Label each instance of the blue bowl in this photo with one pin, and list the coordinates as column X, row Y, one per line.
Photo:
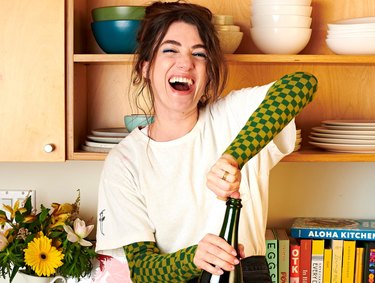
column 137, row 120
column 116, row 36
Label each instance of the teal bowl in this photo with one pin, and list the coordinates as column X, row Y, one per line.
column 137, row 120
column 117, row 36
column 108, row 13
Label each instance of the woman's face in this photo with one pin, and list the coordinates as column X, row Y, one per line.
column 178, row 74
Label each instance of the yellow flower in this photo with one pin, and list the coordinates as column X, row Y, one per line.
column 3, row 219
column 42, row 257
column 14, row 209
column 60, row 213
column 30, row 218
column 65, row 208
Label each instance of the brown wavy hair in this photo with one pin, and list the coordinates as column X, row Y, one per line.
column 158, row 18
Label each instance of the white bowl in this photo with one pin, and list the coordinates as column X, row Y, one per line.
column 353, row 23
column 280, row 40
column 283, row 2
column 359, row 46
column 349, row 32
column 265, row 9
column 353, row 35
column 280, row 21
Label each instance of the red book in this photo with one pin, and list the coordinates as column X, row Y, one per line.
column 305, row 260
column 294, row 254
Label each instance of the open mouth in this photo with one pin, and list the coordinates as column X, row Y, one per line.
column 180, row 83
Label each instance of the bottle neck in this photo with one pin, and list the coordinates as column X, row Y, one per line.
column 229, row 229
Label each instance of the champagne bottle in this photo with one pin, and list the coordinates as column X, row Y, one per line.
column 229, row 232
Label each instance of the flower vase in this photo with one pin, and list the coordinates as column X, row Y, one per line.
column 37, row 279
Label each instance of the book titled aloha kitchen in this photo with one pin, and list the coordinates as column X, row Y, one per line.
column 333, row 228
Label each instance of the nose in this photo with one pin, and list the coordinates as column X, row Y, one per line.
column 185, row 62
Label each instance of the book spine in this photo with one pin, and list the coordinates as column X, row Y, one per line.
column 369, row 270
column 359, row 265
column 294, row 264
column 327, row 265
column 305, row 260
column 271, row 256
column 348, row 262
column 317, row 253
column 337, row 247
column 283, row 255
column 322, row 233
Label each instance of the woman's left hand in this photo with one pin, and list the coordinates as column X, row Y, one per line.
column 224, row 178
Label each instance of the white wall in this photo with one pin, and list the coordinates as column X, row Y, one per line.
column 296, row 189
column 56, row 182
column 321, row 189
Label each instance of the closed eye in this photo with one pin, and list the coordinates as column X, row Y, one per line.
column 200, row 54
column 168, row 50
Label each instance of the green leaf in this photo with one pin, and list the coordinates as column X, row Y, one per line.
column 28, row 205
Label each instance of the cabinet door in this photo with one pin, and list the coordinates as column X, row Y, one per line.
column 32, row 80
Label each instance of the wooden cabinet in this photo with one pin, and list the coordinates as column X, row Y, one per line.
column 32, row 80
column 98, row 83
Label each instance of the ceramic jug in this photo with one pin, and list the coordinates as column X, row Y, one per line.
column 36, row 279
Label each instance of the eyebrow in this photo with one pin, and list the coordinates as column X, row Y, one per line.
column 174, row 42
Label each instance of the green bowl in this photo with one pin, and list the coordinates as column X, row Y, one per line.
column 137, row 120
column 118, row 13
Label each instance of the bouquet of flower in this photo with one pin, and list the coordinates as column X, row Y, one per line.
column 45, row 243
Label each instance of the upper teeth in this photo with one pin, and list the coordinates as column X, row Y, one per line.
column 181, row 80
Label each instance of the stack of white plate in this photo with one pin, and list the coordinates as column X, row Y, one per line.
column 298, row 140
column 103, row 140
column 281, row 26
column 355, row 136
column 352, row 36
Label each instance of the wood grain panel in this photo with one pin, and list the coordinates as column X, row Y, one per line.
column 32, row 80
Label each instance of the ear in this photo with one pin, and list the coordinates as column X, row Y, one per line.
column 145, row 69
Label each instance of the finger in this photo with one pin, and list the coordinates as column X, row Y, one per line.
column 220, row 192
column 230, row 159
column 212, row 269
column 236, row 195
column 214, row 253
column 226, row 167
column 241, row 250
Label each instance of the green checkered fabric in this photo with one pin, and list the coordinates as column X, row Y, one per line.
column 284, row 100
column 146, row 264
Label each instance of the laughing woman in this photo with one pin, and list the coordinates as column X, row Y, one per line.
column 160, row 197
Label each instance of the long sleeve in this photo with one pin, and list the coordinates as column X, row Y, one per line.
column 284, row 100
column 147, row 265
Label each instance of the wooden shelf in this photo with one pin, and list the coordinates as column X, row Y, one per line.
column 97, row 81
column 308, row 155
column 316, row 155
column 84, row 155
column 245, row 58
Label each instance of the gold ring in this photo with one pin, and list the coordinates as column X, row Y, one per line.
column 225, row 175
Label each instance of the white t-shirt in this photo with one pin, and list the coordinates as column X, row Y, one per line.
column 156, row 191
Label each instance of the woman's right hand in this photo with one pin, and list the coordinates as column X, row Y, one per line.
column 224, row 177
column 214, row 255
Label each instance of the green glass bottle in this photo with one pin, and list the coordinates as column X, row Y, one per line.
column 229, row 232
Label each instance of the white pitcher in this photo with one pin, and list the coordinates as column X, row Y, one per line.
column 36, row 279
